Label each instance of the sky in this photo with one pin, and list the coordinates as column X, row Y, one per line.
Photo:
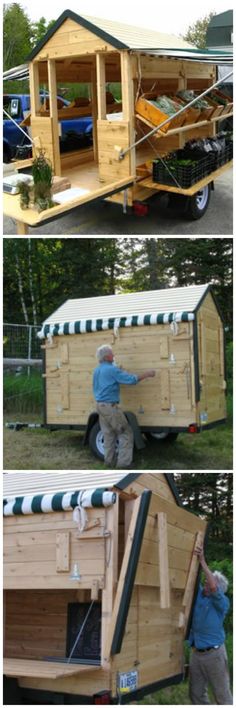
column 173, row 17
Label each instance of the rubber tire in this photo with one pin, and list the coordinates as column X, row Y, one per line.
column 6, row 156
column 194, row 210
column 93, row 440
column 170, row 438
column 177, row 202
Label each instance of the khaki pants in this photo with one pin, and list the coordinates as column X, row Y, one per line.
column 210, row 667
column 115, row 426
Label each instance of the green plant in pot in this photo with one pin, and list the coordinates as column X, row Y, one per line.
column 42, row 175
column 24, row 190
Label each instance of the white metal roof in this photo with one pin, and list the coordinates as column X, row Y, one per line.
column 138, row 37
column 23, row 483
column 150, row 301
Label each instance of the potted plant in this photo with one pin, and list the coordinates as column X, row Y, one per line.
column 42, row 176
column 24, row 189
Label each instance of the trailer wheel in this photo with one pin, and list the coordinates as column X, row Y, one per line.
column 96, row 441
column 198, row 204
column 6, row 154
column 162, row 437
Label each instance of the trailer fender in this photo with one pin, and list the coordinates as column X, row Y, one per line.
column 132, row 420
column 92, row 419
column 138, row 438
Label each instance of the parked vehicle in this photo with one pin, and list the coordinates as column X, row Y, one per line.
column 75, row 133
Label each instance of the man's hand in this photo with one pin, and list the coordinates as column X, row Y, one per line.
column 147, row 374
column 199, row 552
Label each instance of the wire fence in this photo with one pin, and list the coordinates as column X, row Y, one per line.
column 22, row 380
column 21, row 341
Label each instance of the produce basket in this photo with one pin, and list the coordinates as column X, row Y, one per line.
column 191, row 115
column 204, row 108
column 181, row 170
column 223, row 100
column 148, row 106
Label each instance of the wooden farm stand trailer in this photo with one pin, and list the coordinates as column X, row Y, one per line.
column 178, row 332
column 97, row 600
column 99, row 52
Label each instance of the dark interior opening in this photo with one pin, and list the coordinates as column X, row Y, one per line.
column 88, row 647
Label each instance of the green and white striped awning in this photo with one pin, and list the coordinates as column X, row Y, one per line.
column 61, row 501
column 100, row 324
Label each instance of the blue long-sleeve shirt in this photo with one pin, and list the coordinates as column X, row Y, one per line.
column 208, row 616
column 107, row 378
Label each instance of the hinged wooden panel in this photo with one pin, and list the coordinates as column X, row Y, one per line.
column 64, row 354
column 62, row 552
column 164, row 347
column 64, row 387
column 163, row 560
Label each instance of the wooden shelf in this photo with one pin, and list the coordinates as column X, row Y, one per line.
column 43, row 669
column 148, row 182
column 183, row 128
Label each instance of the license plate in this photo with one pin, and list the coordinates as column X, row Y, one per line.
column 127, row 682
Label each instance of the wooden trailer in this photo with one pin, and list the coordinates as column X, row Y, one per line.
column 100, row 53
column 178, row 332
column 99, row 583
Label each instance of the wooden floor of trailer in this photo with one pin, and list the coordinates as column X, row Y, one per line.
column 84, row 176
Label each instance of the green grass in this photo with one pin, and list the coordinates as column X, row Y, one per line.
column 23, row 400
column 23, row 393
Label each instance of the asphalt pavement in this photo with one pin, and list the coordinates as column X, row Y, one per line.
column 103, row 218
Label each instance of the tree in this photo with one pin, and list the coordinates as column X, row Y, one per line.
column 196, row 33
column 16, row 35
column 56, row 269
column 39, row 29
column 211, row 494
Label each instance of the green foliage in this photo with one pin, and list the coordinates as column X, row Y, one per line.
column 42, row 175
column 84, row 267
column 24, row 190
column 39, row 29
column 225, row 566
column 196, row 33
column 17, row 35
column 23, row 393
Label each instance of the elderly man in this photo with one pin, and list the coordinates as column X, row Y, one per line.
column 208, row 662
column 107, row 378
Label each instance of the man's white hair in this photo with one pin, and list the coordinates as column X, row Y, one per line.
column 221, row 580
column 102, row 352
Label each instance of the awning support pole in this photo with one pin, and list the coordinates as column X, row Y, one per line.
column 170, row 118
column 18, row 126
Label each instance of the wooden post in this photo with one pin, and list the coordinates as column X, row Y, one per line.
column 52, row 87
column 193, row 570
column 34, row 88
column 94, row 113
column 163, row 560
column 22, row 228
column 122, row 576
column 127, row 88
column 111, row 576
column 101, row 86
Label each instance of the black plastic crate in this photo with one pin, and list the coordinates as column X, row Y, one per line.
column 183, row 175
column 224, row 156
